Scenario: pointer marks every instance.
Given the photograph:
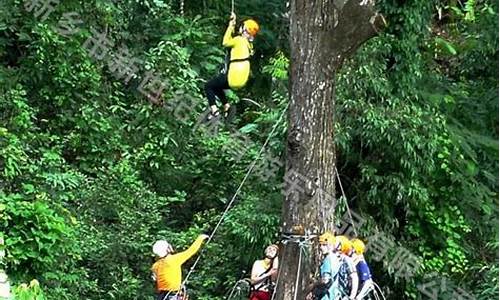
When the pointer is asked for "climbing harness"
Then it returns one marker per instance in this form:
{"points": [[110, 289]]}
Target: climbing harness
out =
{"points": [[266, 285], [230, 203], [181, 294], [228, 61], [241, 286]]}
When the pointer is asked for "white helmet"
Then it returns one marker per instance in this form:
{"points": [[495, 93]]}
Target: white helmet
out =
{"points": [[161, 248]]}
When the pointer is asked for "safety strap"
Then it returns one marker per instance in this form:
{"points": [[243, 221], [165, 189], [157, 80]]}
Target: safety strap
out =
{"points": [[228, 61], [239, 59], [265, 282]]}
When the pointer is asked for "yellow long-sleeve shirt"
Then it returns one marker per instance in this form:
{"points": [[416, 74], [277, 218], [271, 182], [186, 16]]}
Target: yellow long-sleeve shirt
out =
{"points": [[167, 270], [241, 48]]}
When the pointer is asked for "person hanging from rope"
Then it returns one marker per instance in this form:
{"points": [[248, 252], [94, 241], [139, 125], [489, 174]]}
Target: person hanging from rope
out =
{"points": [[167, 272], [264, 274], [236, 69], [327, 288], [364, 274], [348, 277]]}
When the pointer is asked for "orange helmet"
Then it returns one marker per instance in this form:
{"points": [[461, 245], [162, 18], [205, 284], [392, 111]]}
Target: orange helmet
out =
{"points": [[344, 245], [251, 26]]}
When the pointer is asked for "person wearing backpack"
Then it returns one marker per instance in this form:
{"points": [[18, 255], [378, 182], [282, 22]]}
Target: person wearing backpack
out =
{"points": [[347, 275], [236, 69], [264, 273], [327, 287], [364, 274], [167, 271]]}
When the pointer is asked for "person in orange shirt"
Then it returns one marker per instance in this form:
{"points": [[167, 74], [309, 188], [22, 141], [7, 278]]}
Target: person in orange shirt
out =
{"points": [[167, 272]]}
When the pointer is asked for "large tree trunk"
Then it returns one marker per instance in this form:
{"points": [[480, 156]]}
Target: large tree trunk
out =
{"points": [[323, 33]]}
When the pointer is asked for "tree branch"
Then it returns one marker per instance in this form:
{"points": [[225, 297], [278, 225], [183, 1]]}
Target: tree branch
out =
{"points": [[358, 22]]}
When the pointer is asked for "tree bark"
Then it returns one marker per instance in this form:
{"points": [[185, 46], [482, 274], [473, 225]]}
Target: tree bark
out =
{"points": [[323, 34]]}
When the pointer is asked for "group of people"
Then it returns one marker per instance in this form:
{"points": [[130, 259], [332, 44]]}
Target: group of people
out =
{"points": [[343, 274], [167, 271]]}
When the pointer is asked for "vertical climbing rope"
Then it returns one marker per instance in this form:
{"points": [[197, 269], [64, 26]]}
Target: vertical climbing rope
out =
{"points": [[299, 267], [345, 200], [298, 273], [302, 241]]}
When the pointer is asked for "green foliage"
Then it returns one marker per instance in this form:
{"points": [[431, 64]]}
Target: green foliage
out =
{"points": [[92, 174], [36, 235], [412, 162], [278, 66], [29, 292]]}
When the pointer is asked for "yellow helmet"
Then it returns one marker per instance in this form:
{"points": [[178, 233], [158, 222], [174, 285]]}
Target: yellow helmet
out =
{"points": [[344, 244], [327, 237], [251, 26], [359, 246]]}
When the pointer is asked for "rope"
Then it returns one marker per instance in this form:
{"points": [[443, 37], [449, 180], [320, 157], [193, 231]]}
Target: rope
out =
{"points": [[299, 267], [298, 273], [366, 292], [302, 241], [251, 101], [297, 238], [236, 286], [249, 171], [232, 6], [379, 290], [345, 200], [293, 238]]}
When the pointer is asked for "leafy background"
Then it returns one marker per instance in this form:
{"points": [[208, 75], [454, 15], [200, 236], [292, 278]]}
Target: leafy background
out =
{"points": [[92, 173]]}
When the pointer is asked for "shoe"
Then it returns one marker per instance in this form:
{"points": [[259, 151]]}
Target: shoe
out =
{"points": [[213, 115]]}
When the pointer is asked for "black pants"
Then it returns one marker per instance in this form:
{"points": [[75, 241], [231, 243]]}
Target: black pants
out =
{"points": [[163, 295], [215, 88]]}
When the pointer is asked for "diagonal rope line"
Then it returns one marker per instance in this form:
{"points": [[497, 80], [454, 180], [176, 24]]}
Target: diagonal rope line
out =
{"points": [[345, 200], [228, 207]]}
